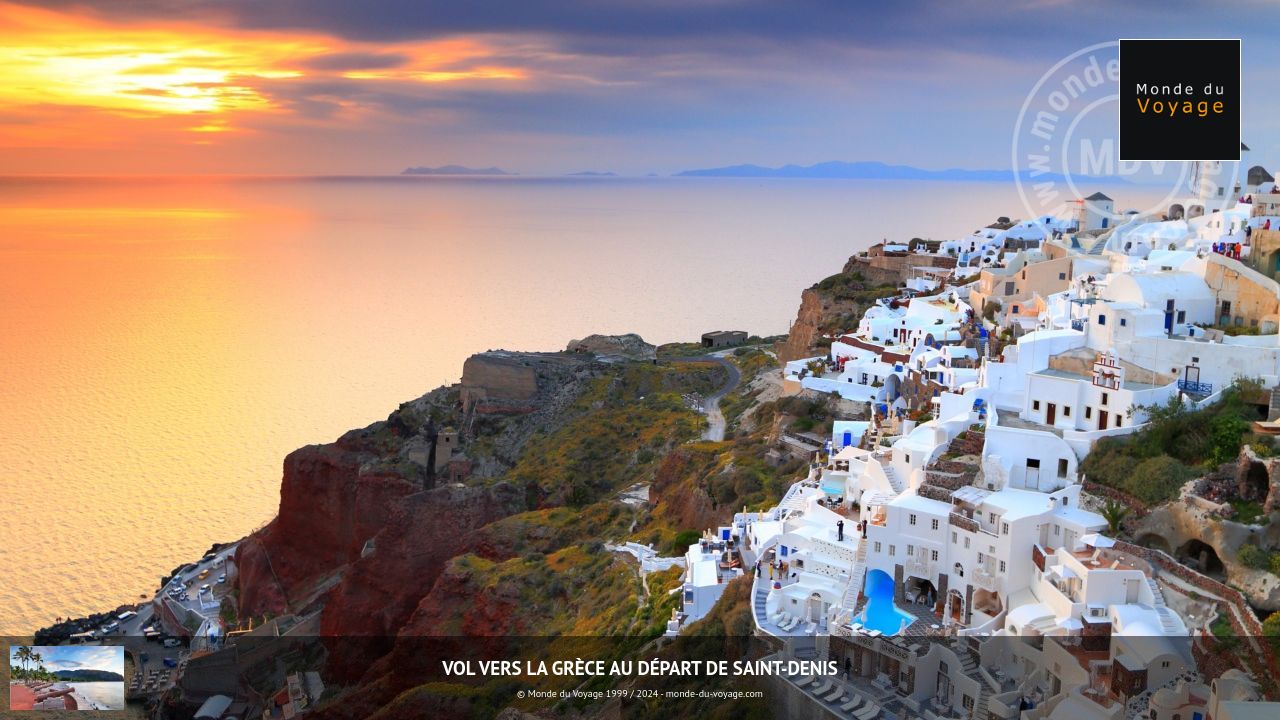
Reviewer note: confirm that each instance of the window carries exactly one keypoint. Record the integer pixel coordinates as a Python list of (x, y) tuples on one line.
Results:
[(1002, 566), (1008, 288), (1062, 276), (912, 519), (1105, 397), (1062, 467), (1182, 317), (953, 537), (911, 551), (1123, 322), (877, 546), (1057, 530), (1035, 404), (1118, 419), (1015, 310), (934, 523), (966, 543), (1102, 319), (893, 550), (1004, 528), (1033, 463), (1088, 412), (933, 555), (1066, 411)]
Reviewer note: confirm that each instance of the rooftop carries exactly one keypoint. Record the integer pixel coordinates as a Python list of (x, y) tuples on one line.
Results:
[(1077, 377)]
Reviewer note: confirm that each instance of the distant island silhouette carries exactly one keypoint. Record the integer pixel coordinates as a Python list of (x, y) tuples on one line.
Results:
[(88, 675), (453, 170), (872, 170)]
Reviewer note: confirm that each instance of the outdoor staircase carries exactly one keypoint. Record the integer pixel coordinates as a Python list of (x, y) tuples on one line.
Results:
[(1273, 411), (1156, 592), (1167, 621), (849, 602), (1099, 244), (761, 614), (894, 481), (980, 703), (794, 500)]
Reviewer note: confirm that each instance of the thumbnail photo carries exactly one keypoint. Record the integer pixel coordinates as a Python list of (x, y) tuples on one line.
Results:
[(69, 677)]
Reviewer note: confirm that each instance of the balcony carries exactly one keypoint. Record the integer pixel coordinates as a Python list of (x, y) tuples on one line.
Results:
[(986, 580), (1195, 388), (964, 523), (919, 566)]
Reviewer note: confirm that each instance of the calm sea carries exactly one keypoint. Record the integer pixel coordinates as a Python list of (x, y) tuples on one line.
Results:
[(165, 342), (104, 695)]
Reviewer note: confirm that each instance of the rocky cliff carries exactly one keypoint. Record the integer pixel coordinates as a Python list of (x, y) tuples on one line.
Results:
[(391, 563), (835, 305)]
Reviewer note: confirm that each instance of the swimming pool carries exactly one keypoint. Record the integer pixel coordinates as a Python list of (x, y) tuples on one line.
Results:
[(833, 486), (880, 613)]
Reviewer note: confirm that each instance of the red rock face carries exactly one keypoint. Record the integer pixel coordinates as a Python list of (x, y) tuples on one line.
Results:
[(379, 593), (329, 508)]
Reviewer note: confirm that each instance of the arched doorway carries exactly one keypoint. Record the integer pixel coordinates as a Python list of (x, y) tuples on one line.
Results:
[(1201, 556), (1176, 211), (815, 608), (1155, 541), (955, 604), (1255, 483), (921, 591)]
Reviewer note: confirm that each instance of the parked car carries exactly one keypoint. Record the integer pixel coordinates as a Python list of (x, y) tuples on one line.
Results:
[(222, 578), (171, 642)]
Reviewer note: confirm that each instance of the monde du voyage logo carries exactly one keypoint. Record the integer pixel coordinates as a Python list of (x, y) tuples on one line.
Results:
[(1179, 100)]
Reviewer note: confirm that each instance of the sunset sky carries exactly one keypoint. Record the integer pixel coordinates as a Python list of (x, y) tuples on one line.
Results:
[(337, 86)]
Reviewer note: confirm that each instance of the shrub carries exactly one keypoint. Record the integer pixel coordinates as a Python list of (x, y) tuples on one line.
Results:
[(683, 540), (1157, 479), (1254, 557), (1109, 464), (1225, 433), (1271, 628)]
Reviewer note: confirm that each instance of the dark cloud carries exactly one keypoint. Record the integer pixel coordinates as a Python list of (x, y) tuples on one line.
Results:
[(631, 27), (340, 62)]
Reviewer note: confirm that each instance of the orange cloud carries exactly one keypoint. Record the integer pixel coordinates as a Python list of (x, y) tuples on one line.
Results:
[(53, 60)]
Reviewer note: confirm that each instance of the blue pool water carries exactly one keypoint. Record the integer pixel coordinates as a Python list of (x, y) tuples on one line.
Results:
[(833, 487), (880, 613)]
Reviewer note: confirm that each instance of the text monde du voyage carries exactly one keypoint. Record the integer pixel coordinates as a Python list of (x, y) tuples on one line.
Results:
[(1180, 99)]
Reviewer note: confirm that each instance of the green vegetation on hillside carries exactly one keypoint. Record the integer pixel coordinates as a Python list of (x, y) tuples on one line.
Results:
[(620, 428), (1178, 443), (853, 286)]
